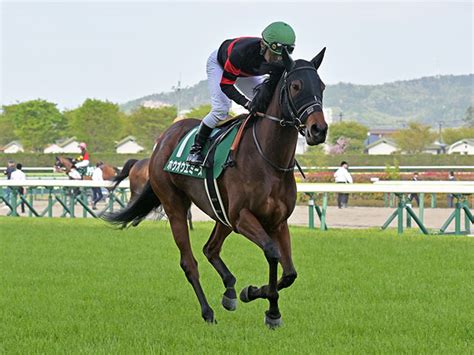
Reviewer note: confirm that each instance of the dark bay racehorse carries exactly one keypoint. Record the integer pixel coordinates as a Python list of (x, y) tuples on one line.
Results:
[(259, 192), (65, 165)]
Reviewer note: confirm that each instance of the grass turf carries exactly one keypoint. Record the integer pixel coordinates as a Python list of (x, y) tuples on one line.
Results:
[(79, 286)]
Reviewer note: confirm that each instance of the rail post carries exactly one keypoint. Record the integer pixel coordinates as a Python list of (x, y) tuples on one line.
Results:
[(311, 211), (323, 211), (14, 202), (468, 218), (401, 206), (421, 207), (50, 202)]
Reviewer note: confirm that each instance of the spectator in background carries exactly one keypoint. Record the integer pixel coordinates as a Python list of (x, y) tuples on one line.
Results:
[(342, 176), (97, 191), (451, 177), (415, 197), (8, 172), (19, 175), (10, 168)]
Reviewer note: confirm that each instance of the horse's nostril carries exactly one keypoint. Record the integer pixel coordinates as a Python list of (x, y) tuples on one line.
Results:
[(315, 130)]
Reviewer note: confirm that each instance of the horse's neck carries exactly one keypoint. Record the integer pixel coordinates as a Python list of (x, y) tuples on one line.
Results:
[(278, 143)]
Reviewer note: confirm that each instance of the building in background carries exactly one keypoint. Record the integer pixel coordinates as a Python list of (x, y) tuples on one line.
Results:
[(382, 146), (67, 145), (128, 145), (463, 147), (12, 148)]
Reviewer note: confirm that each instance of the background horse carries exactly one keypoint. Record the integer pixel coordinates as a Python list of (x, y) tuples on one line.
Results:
[(137, 173), (258, 192), (66, 165)]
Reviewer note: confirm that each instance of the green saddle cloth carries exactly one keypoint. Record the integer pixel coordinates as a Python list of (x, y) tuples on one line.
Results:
[(177, 162), (86, 171)]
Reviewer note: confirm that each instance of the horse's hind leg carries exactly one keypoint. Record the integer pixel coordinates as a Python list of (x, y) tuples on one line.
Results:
[(212, 251), (177, 217)]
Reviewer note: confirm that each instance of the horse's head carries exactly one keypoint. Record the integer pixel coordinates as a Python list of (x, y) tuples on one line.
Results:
[(63, 165), (301, 97)]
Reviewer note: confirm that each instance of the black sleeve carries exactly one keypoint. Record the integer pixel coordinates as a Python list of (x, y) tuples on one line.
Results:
[(232, 93)]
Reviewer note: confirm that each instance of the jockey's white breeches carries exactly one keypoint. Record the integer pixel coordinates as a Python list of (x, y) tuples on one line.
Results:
[(74, 174), (82, 164), (220, 103)]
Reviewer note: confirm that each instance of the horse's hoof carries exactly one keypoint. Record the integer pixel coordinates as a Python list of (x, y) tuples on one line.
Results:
[(229, 303), (272, 323), (208, 317), (211, 321), (244, 294)]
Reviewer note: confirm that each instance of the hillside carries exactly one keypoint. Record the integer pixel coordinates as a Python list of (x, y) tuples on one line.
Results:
[(428, 100)]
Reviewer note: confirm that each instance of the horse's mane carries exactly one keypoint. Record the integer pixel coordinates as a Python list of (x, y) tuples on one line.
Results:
[(264, 91)]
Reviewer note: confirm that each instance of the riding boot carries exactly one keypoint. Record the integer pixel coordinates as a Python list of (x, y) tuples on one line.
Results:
[(195, 154)]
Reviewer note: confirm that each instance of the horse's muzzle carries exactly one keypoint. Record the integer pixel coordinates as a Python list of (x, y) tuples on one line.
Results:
[(316, 129)]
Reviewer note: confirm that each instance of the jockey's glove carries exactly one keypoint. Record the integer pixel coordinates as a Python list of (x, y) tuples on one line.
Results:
[(248, 106)]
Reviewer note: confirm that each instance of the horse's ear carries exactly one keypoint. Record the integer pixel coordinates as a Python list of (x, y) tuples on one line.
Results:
[(287, 60), (318, 59)]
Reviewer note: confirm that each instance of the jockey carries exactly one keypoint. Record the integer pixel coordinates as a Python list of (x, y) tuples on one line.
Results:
[(82, 161), (237, 64)]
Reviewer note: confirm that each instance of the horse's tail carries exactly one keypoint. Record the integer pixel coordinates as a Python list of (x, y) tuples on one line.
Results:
[(136, 211), (124, 173)]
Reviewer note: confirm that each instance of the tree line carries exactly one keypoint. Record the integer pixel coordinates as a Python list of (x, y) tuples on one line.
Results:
[(101, 124)]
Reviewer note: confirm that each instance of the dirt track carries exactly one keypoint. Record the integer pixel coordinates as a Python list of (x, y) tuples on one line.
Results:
[(359, 217), (351, 217)]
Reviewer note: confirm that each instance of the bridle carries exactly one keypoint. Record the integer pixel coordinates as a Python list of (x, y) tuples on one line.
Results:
[(297, 116)]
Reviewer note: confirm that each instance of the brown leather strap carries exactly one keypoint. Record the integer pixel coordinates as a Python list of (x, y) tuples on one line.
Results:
[(238, 137)]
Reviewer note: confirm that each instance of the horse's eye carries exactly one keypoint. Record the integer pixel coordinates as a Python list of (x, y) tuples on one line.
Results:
[(295, 87)]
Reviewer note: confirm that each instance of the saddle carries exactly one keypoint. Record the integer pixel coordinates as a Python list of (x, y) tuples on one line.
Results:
[(216, 151)]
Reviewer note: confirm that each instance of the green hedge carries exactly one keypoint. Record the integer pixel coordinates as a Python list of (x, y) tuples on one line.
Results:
[(40, 160), (382, 160)]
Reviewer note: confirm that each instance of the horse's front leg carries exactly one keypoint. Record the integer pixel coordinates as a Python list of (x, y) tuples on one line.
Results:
[(286, 261), (282, 235), (248, 225)]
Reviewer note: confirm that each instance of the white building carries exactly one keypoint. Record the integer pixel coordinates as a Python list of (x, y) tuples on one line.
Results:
[(128, 145), (12, 148), (68, 145), (463, 147), (382, 146)]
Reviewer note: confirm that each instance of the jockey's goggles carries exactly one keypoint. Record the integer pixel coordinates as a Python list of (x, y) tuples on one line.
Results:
[(278, 47)]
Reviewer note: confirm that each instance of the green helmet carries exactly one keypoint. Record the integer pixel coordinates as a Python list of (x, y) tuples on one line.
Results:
[(278, 35)]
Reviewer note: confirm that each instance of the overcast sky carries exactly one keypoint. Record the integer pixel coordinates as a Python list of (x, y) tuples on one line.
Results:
[(65, 52)]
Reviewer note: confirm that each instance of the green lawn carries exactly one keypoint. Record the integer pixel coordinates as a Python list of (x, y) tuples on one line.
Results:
[(78, 286)]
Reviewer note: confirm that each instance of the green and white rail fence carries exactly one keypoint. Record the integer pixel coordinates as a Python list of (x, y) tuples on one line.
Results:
[(70, 195)]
